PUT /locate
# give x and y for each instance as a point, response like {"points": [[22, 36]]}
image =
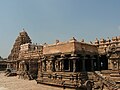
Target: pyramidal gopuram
{"points": [[23, 38]]}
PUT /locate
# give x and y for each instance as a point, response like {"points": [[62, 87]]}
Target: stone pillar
{"points": [[57, 65], [74, 65], [8, 65], [110, 65], [52, 63], [23, 66], [74, 58], [44, 65], [62, 67], [61, 63], [39, 69]]}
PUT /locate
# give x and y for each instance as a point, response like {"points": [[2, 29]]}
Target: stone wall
{"points": [[59, 48]]}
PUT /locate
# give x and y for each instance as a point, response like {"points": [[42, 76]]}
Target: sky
{"points": [[48, 20]]}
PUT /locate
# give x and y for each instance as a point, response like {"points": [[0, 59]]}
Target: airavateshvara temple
{"points": [[73, 64]]}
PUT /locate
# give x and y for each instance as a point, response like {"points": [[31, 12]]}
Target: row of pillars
{"points": [[75, 60], [92, 65]]}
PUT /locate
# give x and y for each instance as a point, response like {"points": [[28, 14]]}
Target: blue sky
{"points": [[48, 20]]}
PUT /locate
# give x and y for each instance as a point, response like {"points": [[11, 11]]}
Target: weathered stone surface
{"points": [[69, 64]]}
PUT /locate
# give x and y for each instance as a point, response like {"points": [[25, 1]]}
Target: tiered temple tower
{"points": [[21, 39]]}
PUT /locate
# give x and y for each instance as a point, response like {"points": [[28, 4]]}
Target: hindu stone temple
{"points": [[72, 64]]}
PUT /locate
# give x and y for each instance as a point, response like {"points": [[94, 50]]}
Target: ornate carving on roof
{"points": [[114, 39], [102, 40], [108, 40], [73, 39], [96, 41], [82, 40]]}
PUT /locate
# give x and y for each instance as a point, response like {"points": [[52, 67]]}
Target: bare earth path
{"points": [[13, 83]]}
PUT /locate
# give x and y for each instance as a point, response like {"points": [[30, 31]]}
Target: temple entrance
{"points": [[32, 67], [104, 62]]}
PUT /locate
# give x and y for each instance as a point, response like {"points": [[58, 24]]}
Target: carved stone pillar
{"points": [[40, 65], [39, 69], [74, 65], [57, 65], [23, 66], [110, 65], [8, 65], [61, 61], [17, 65], [44, 65], [48, 65], [60, 67], [52, 63], [74, 58]]}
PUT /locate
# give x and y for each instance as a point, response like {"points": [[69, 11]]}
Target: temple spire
{"points": [[23, 29], [23, 38]]}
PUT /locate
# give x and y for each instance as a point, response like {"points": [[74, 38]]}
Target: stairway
{"points": [[27, 75], [108, 82]]}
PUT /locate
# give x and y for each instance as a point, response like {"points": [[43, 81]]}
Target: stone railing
{"points": [[64, 79], [111, 85]]}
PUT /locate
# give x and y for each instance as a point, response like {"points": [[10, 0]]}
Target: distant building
{"points": [[3, 65]]}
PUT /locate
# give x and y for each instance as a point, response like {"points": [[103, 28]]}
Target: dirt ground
{"points": [[13, 83]]}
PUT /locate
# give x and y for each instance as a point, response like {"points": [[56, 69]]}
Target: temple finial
{"points": [[24, 29]]}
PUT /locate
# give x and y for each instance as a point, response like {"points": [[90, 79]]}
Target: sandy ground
{"points": [[13, 83]]}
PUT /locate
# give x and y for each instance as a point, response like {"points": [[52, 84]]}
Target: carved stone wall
{"points": [[110, 48]]}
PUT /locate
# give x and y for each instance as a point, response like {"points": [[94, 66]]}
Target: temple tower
{"points": [[21, 39]]}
